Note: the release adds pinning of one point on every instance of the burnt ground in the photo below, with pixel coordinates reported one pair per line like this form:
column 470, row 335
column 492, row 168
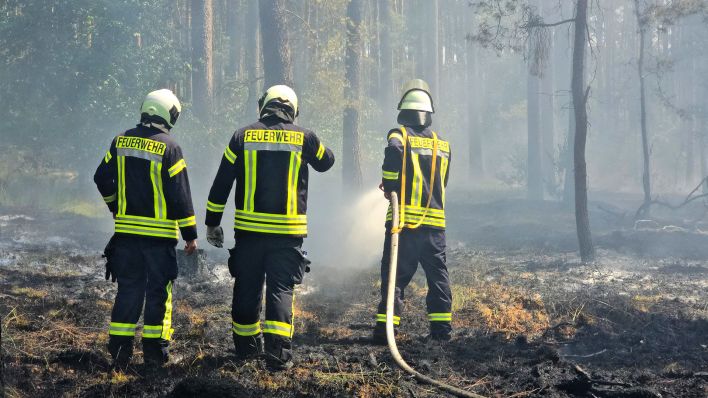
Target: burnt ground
column 530, row 320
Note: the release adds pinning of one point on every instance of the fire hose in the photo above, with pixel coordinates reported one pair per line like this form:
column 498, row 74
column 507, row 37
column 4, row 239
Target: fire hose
column 390, row 337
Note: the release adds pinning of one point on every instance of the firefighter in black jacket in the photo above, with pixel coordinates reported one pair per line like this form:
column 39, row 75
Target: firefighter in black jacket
column 416, row 164
column 143, row 180
column 268, row 159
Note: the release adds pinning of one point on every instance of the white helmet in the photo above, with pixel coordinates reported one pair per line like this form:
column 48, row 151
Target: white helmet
column 416, row 96
column 162, row 104
column 280, row 93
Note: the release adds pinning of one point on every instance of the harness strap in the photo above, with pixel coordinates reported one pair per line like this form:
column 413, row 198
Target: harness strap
column 402, row 223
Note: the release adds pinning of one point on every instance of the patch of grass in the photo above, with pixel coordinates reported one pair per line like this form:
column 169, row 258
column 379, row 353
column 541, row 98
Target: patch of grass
column 335, row 332
column 104, row 305
column 29, row 292
column 119, row 378
column 84, row 208
column 499, row 308
column 645, row 303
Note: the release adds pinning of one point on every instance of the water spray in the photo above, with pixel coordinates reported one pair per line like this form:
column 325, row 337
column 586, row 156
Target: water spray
column 390, row 337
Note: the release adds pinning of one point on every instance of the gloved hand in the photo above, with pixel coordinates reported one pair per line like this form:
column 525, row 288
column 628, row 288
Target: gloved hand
column 215, row 236
column 109, row 272
column 108, row 255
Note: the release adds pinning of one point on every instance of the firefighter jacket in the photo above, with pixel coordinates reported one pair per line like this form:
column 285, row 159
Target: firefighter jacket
column 143, row 180
column 268, row 159
column 416, row 176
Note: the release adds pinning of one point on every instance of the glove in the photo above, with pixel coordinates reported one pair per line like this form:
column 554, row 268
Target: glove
column 108, row 254
column 109, row 272
column 215, row 236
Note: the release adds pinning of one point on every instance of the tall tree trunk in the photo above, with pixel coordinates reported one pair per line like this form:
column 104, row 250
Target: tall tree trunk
column 433, row 49
column 548, row 154
column 582, row 220
column 235, row 29
column 277, row 64
column 351, row 163
column 534, row 176
column 534, row 172
column 386, row 103
column 474, row 86
column 646, row 175
column 202, row 58
column 252, row 56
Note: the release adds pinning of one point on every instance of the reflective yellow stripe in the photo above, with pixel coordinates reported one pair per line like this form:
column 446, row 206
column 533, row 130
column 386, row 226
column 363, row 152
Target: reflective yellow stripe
column 440, row 213
column 382, row 318
column 246, row 330
column 187, row 222
column 417, row 187
column 121, row 329
column 108, row 157
column 152, row 331
column 155, row 198
column 145, row 231
column 320, row 151
column 443, row 173
column 292, row 314
column 167, row 320
column 177, row 167
column 109, row 199
column 440, row 317
column 270, row 217
column 121, row 185
column 270, row 228
column 137, row 225
column 147, row 220
column 279, row 328
column 230, row 155
column 161, row 193
column 293, row 177
column 389, row 175
column 250, row 167
column 397, row 136
column 216, row 208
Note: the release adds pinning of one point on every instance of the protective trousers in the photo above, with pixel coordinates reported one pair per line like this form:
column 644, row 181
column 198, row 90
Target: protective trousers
column 280, row 262
column 427, row 247
column 145, row 269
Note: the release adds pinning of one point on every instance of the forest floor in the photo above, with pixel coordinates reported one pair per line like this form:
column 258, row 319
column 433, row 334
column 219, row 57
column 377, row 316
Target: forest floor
column 530, row 320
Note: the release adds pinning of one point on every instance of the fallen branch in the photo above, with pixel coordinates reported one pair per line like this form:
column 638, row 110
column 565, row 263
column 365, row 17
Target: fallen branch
column 594, row 354
column 689, row 198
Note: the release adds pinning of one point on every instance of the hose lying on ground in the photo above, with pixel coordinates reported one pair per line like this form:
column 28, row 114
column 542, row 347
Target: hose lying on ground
column 390, row 337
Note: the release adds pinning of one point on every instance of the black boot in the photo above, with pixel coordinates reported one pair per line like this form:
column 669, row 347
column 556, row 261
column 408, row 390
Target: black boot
column 278, row 353
column 440, row 331
column 248, row 346
column 121, row 350
column 156, row 352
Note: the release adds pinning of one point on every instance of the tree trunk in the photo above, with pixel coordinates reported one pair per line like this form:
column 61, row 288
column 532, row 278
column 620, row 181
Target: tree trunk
column 534, row 174
column 252, row 56
column 387, row 102
column 475, row 86
column 235, row 30
column 582, row 220
column 277, row 64
column 202, row 58
column 646, row 175
column 351, row 164
column 548, row 151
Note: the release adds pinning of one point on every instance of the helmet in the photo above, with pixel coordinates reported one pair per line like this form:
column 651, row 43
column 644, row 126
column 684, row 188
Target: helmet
column 280, row 93
column 162, row 104
column 416, row 96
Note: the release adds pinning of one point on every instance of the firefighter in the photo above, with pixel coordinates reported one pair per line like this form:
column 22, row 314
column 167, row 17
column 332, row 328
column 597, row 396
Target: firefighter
column 416, row 163
column 143, row 180
column 269, row 160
